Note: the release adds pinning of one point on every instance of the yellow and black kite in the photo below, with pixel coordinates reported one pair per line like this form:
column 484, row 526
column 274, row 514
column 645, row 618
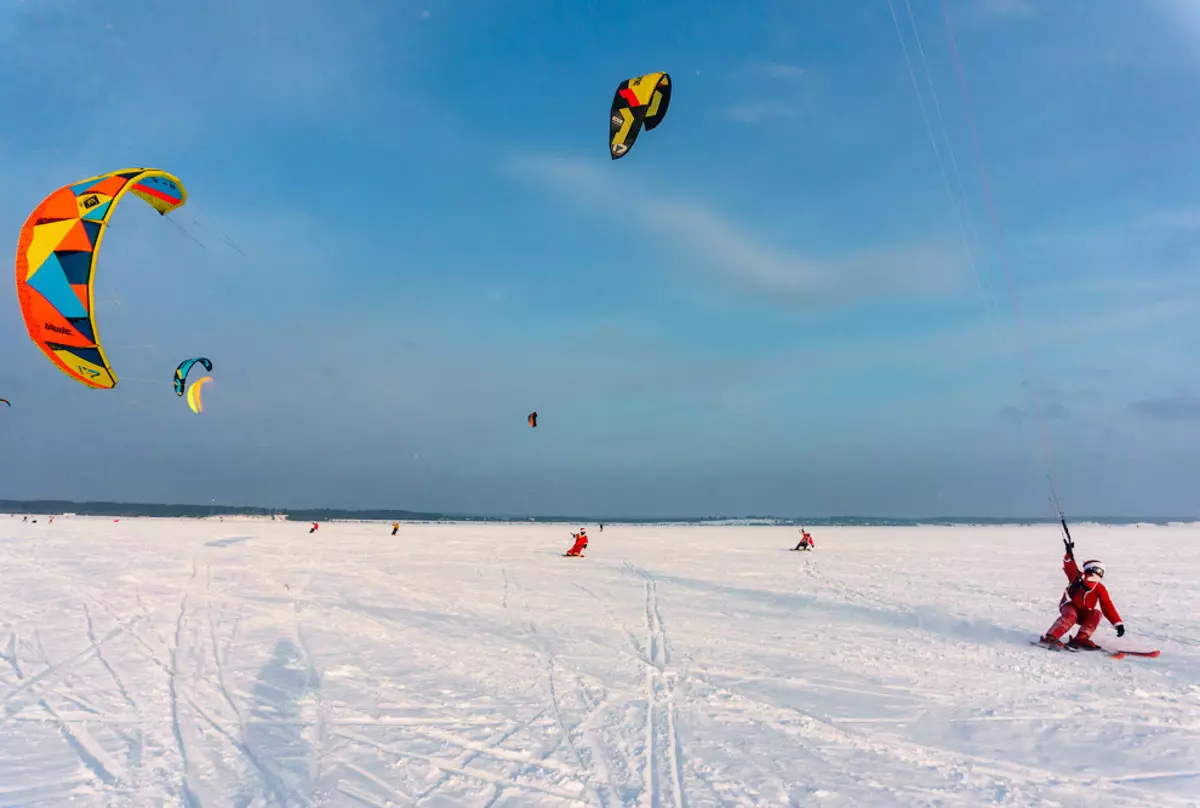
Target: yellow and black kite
column 640, row 101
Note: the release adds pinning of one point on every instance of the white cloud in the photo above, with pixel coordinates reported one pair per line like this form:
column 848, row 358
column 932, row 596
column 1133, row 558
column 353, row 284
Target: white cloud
column 1172, row 220
column 778, row 70
column 975, row 343
column 225, row 56
column 758, row 111
column 983, row 12
column 718, row 243
column 1136, row 253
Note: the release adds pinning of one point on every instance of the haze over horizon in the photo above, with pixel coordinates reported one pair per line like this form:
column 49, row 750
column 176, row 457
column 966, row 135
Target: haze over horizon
column 302, row 511
column 404, row 233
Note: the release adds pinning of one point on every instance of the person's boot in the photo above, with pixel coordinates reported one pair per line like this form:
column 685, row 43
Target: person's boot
column 1083, row 642
column 1051, row 641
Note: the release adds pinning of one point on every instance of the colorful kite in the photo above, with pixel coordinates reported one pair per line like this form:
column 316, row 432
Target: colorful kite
column 185, row 366
column 193, row 394
column 639, row 101
column 533, row 419
column 56, row 263
column 6, row 401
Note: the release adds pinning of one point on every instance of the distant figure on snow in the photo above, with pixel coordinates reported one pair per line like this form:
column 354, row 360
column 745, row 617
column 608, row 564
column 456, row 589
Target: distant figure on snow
column 806, row 541
column 395, row 528
column 313, row 529
column 1078, row 605
column 581, row 543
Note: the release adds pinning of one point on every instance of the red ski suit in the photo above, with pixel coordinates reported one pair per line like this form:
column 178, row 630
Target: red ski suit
column 580, row 544
column 1078, row 604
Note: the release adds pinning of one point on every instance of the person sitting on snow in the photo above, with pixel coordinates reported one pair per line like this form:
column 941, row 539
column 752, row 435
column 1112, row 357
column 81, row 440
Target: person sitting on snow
column 581, row 542
column 1078, row 606
column 806, row 541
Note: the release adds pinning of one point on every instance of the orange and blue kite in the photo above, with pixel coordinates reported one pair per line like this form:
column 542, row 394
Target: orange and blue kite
column 56, row 265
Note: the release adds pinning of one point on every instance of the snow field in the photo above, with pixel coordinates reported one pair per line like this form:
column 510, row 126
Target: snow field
column 184, row 662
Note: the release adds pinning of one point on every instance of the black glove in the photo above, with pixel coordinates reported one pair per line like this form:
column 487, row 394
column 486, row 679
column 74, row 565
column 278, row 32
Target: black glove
column 1120, row 629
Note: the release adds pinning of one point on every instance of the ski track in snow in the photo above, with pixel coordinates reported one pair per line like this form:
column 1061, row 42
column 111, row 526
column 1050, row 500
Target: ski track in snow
column 249, row 663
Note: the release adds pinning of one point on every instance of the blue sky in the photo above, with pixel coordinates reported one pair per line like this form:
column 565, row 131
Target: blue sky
column 404, row 233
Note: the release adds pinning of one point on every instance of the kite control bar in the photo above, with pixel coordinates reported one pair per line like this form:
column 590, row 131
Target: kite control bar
column 1068, row 542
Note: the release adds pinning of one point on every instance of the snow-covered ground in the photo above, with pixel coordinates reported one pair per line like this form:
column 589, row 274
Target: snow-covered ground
column 159, row 662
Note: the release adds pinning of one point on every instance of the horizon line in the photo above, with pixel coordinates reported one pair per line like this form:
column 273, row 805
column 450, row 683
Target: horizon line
column 121, row 508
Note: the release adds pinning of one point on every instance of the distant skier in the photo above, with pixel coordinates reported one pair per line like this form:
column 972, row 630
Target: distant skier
column 313, row 529
column 395, row 528
column 581, row 543
column 806, row 541
column 1079, row 601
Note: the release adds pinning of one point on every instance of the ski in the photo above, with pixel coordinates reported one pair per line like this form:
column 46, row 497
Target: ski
column 1123, row 654
column 1111, row 653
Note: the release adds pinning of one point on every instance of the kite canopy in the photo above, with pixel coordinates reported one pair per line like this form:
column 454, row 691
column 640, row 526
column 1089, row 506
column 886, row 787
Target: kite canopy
column 6, row 401
column 56, row 263
column 639, row 101
column 185, row 366
column 533, row 419
column 193, row 394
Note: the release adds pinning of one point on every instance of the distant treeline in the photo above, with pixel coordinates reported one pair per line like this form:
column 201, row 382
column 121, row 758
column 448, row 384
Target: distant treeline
column 167, row 511
column 162, row 511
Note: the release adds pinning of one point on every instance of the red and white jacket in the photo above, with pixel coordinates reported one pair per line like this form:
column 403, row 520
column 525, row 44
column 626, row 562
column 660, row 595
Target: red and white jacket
column 1085, row 596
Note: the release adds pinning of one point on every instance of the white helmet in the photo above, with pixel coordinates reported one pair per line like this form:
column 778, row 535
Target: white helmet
column 1093, row 569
